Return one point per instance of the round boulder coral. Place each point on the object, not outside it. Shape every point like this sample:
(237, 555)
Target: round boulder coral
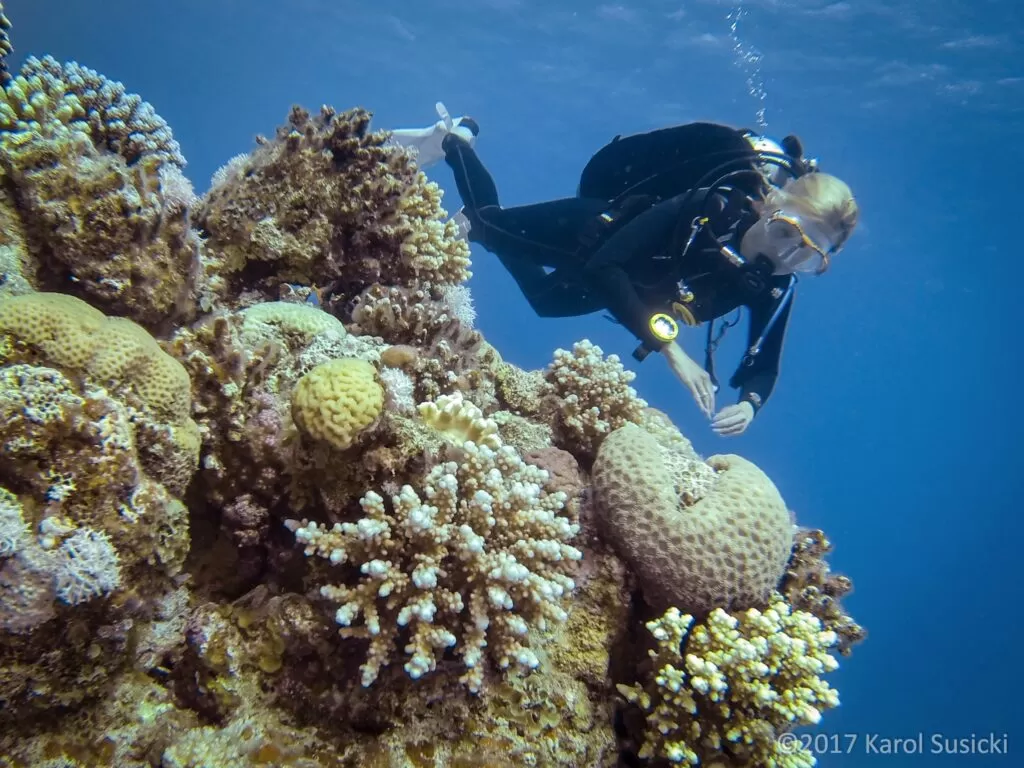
(337, 400)
(700, 535)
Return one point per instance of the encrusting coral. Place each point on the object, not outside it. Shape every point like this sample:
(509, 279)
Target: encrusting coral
(268, 498)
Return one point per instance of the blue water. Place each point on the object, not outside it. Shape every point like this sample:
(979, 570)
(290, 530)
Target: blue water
(897, 422)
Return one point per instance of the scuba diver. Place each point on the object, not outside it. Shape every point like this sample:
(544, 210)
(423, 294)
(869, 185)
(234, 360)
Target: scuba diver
(679, 226)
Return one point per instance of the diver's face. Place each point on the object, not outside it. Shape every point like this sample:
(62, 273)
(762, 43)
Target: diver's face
(792, 242)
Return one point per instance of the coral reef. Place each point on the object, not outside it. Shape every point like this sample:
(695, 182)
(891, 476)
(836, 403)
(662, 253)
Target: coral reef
(98, 450)
(326, 202)
(96, 181)
(268, 498)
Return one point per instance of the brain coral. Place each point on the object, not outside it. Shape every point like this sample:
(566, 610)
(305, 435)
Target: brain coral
(337, 400)
(699, 535)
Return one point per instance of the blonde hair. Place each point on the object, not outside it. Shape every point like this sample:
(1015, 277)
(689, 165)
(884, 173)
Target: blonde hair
(823, 198)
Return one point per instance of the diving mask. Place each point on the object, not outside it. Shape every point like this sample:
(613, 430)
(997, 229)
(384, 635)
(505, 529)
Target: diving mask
(799, 244)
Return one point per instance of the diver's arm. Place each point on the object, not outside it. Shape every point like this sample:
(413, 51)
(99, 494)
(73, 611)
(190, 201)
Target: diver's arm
(757, 381)
(645, 237)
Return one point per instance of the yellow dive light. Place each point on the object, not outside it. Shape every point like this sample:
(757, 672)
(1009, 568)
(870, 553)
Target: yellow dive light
(663, 327)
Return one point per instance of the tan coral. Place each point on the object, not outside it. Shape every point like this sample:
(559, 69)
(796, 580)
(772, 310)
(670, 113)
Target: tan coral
(98, 465)
(698, 535)
(460, 420)
(112, 351)
(595, 397)
(327, 202)
(100, 192)
(337, 400)
(746, 678)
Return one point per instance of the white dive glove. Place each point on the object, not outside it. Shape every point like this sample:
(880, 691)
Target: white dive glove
(427, 141)
(733, 419)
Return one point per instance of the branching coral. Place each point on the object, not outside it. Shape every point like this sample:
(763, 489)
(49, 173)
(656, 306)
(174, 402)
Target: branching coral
(460, 420)
(98, 184)
(5, 46)
(810, 586)
(722, 691)
(476, 563)
(699, 535)
(595, 397)
(327, 202)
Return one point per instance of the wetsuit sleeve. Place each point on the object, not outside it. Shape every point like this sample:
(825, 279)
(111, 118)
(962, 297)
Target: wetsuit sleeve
(757, 380)
(647, 236)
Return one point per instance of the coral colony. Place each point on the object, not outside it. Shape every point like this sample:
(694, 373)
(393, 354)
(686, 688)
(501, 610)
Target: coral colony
(267, 498)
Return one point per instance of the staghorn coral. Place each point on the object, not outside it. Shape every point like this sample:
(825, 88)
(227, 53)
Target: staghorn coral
(478, 562)
(97, 182)
(810, 585)
(700, 535)
(721, 692)
(595, 397)
(327, 202)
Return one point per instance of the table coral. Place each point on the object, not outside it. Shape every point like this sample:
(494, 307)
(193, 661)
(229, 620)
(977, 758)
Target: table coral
(99, 188)
(327, 202)
(475, 564)
(699, 534)
(723, 690)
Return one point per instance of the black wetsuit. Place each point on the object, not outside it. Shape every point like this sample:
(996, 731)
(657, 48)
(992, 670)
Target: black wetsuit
(568, 261)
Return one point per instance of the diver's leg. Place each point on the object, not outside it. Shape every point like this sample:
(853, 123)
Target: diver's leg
(547, 234)
(475, 185)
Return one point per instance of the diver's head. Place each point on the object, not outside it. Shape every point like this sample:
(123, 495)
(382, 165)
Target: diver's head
(803, 225)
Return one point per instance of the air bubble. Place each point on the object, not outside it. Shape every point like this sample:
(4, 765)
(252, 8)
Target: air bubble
(748, 59)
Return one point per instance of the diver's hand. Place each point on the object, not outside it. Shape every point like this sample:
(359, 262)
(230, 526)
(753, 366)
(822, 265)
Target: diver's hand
(693, 377)
(733, 419)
